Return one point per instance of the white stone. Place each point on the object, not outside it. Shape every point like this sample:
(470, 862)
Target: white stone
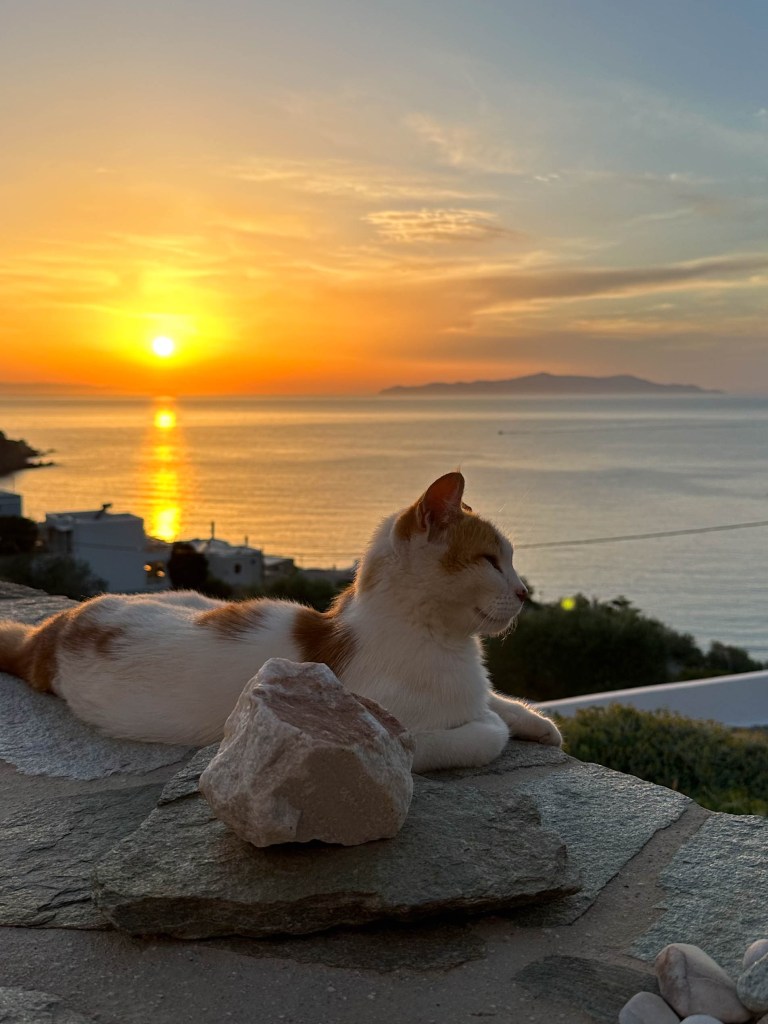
(701, 1018)
(304, 759)
(692, 983)
(647, 1008)
(752, 986)
(757, 949)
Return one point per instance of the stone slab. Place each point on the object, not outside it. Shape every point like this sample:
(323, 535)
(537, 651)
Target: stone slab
(27, 1006)
(517, 754)
(48, 848)
(716, 892)
(599, 989)
(605, 818)
(184, 873)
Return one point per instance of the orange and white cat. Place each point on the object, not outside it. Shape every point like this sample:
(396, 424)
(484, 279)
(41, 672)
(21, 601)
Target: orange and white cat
(170, 667)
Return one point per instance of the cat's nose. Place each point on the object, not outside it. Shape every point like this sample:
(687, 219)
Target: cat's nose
(522, 591)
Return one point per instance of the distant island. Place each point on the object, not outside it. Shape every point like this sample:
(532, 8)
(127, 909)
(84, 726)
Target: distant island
(551, 384)
(16, 455)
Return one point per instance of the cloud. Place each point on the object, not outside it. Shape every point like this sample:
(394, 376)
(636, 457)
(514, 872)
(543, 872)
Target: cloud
(350, 180)
(594, 283)
(464, 147)
(446, 225)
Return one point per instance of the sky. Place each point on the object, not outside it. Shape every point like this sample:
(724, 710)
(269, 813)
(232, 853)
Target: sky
(335, 196)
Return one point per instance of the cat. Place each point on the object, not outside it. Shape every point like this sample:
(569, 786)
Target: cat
(170, 667)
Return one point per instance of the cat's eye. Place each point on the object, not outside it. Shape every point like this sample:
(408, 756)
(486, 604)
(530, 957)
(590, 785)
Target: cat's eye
(492, 560)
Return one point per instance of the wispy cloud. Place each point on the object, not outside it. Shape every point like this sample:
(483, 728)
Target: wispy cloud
(466, 147)
(441, 225)
(351, 180)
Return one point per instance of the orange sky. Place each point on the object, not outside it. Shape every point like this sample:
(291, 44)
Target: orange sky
(354, 206)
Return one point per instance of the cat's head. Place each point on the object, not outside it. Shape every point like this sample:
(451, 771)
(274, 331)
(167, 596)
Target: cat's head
(455, 568)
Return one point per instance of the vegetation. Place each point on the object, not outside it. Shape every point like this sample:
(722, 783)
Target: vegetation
(18, 535)
(721, 768)
(55, 574)
(576, 646)
(299, 587)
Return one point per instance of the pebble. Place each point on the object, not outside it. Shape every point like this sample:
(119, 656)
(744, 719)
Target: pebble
(752, 986)
(692, 983)
(647, 1008)
(754, 952)
(701, 1018)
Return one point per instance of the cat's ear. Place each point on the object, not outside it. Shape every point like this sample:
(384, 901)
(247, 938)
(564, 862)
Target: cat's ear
(441, 504)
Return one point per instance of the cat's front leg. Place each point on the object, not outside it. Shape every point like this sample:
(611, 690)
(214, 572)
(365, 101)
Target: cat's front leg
(467, 746)
(524, 722)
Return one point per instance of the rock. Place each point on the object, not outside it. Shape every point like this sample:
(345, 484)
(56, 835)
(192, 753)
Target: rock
(754, 951)
(701, 1018)
(597, 988)
(304, 759)
(48, 848)
(717, 914)
(752, 986)
(692, 983)
(647, 1008)
(26, 1006)
(460, 851)
(605, 819)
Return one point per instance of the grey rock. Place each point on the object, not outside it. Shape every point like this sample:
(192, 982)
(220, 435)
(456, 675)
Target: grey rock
(26, 1006)
(647, 1008)
(48, 849)
(701, 1018)
(604, 818)
(754, 951)
(716, 891)
(303, 759)
(517, 754)
(693, 983)
(383, 948)
(598, 988)
(184, 873)
(752, 986)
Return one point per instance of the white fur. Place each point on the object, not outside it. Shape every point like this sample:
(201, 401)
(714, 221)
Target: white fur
(417, 653)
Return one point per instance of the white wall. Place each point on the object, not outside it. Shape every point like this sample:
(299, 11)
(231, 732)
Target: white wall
(732, 700)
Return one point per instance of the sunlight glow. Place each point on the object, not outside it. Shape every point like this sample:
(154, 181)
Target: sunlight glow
(568, 604)
(165, 419)
(163, 347)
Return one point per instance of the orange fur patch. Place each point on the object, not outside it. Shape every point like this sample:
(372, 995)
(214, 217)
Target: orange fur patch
(469, 539)
(408, 523)
(36, 661)
(321, 637)
(235, 619)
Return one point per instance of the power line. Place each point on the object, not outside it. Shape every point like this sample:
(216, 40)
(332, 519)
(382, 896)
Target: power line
(641, 536)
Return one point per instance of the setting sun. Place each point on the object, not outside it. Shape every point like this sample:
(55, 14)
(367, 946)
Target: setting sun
(163, 347)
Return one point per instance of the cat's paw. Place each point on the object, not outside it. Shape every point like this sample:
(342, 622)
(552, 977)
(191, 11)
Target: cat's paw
(551, 735)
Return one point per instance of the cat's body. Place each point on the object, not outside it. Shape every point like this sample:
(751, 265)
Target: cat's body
(170, 667)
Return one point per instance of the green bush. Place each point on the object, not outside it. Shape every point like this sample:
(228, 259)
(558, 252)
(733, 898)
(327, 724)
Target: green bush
(721, 768)
(568, 648)
(55, 574)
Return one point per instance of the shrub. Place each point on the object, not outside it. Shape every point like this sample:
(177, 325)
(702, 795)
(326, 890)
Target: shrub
(55, 574)
(565, 649)
(18, 535)
(721, 768)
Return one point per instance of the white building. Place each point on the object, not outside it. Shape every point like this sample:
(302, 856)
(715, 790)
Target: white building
(10, 503)
(236, 564)
(113, 544)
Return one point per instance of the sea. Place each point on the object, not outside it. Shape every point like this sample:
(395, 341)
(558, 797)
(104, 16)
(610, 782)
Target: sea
(650, 498)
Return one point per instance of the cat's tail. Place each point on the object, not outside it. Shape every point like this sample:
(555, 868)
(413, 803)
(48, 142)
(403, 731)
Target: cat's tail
(20, 655)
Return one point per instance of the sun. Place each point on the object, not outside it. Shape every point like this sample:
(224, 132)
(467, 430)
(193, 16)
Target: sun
(163, 347)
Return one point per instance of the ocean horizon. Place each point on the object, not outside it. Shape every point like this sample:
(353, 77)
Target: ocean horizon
(310, 478)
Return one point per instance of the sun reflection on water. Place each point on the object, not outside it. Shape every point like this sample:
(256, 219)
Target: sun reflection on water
(164, 465)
